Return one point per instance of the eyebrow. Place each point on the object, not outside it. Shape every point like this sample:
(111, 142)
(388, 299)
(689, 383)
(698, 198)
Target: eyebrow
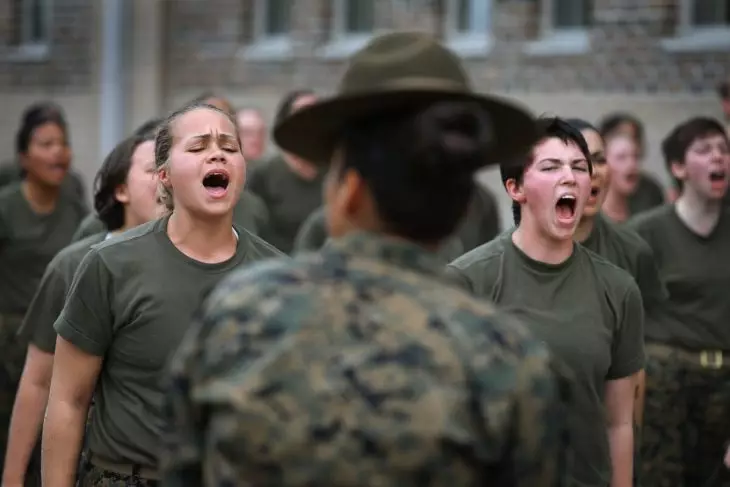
(560, 161)
(206, 137)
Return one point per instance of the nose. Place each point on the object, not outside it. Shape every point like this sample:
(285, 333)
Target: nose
(218, 156)
(568, 175)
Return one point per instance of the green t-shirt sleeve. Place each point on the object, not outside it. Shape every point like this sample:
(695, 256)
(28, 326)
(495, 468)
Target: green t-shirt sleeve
(627, 354)
(44, 310)
(458, 277)
(653, 291)
(86, 320)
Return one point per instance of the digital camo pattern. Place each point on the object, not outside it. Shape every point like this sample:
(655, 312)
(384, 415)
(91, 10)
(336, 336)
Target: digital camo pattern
(96, 477)
(359, 366)
(682, 445)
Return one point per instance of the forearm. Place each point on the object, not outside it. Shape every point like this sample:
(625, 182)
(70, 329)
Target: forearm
(30, 404)
(63, 433)
(621, 443)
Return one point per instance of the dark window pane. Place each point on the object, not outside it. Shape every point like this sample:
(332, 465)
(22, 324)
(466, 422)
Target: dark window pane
(277, 16)
(464, 13)
(711, 12)
(568, 14)
(359, 16)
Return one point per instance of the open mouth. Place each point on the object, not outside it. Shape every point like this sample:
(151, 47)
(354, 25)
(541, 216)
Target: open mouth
(216, 182)
(594, 191)
(565, 207)
(717, 176)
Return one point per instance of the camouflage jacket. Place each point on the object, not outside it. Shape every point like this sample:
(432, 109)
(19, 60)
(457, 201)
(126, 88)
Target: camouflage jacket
(359, 365)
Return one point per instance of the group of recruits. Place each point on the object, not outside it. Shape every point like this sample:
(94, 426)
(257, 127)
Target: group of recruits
(177, 347)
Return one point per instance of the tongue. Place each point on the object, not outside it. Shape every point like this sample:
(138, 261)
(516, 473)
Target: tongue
(215, 190)
(564, 211)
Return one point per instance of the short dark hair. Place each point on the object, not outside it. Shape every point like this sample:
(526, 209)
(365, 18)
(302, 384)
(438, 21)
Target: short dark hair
(286, 104)
(608, 125)
(111, 175)
(547, 128)
(419, 164)
(676, 144)
(582, 124)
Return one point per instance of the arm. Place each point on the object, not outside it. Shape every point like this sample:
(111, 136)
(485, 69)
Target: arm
(459, 278)
(74, 377)
(30, 404)
(619, 399)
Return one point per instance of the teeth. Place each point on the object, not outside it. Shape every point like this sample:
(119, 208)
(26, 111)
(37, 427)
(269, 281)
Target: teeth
(567, 197)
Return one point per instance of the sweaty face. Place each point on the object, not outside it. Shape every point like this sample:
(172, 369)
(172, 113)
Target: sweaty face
(554, 189)
(252, 130)
(623, 161)
(48, 158)
(706, 167)
(206, 170)
(601, 175)
(141, 186)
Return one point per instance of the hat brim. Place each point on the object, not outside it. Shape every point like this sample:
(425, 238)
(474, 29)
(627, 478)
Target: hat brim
(313, 132)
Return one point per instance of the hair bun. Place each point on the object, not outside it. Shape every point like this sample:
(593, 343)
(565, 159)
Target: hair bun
(453, 137)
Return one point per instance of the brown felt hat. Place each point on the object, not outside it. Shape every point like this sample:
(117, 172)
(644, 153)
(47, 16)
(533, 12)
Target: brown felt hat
(394, 71)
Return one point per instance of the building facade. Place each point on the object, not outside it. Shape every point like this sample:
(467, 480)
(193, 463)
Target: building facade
(660, 59)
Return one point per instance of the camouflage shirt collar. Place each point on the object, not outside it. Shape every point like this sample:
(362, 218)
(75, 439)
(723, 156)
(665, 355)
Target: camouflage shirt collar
(395, 251)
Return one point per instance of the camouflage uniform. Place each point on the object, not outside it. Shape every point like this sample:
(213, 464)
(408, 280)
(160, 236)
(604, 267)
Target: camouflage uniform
(360, 366)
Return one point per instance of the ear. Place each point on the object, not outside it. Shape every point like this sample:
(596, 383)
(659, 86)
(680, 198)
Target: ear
(121, 194)
(350, 193)
(163, 175)
(678, 170)
(515, 191)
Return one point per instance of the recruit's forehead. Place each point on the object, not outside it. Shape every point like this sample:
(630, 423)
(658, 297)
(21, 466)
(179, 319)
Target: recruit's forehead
(555, 148)
(202, 121)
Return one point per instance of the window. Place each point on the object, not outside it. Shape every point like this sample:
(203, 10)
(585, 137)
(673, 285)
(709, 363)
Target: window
(710, 13)
(271, 31)
(31, 23)
(358, 16)
(468, 25)
(703, 25)
(569, 14)
(353, 24)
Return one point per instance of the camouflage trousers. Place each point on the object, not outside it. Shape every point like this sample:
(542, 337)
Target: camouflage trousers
(94, 476)
(12, 359)
(686, 418)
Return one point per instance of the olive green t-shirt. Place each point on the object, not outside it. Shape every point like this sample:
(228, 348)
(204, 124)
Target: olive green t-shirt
(289, 198)
(91, 225)
(50, 297)
(313, 235)
(649, 194)
(482, 221)
(132, 300)
(28, 242)
(588, 312)
(10, 173)
(696, 273)
(624, 248)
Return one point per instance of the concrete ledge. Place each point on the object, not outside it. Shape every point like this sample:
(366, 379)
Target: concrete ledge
(560, 43)
(700, 40)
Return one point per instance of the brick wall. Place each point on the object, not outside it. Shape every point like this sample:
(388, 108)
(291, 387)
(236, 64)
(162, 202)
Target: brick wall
(68, 67)
(626, 54)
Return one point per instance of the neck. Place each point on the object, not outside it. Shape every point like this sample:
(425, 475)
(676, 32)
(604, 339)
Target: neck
(302, 168)
(698, 213)
(584, 229)
(207, 239)
(616, 206)
(40, 197)
(541, 248)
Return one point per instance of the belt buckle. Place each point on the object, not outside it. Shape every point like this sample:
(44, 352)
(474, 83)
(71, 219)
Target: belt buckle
(711, 359)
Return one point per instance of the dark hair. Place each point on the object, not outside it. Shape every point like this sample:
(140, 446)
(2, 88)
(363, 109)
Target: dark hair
(608, 125)
(723, 89)
(676, 144)
(419, 164)
(547, 128)
(164, 139)
(582, 125)
(33, 117)
(149, 127)
(287, 103)
(113, 172)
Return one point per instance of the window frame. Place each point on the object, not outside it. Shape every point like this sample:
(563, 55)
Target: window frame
(342, 43)
(473, 42)
(558, 41)
(26, 49)
(690, 37)
(264, 45)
